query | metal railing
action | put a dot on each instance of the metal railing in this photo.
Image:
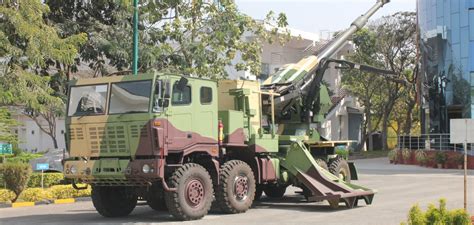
(440, 142)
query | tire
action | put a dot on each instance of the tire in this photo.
(340, 168)
(275, 191)
(156, 199)
(114, 201)
(321, 163)
(193, 197)
(236, 190)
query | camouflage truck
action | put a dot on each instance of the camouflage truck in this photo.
(182, 143)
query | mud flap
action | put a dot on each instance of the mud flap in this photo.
(322, 184)
(353, 170)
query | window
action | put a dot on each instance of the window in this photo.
(181, 97)
(87, 100)
(130, 97)
(206, 95)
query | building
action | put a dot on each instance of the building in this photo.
(446, 43)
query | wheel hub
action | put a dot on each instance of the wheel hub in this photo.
(194, 193)
(241, 187)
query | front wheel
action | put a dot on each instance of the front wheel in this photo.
(193, 197)
(156, 199)
(114, 201)
(236, 189)
(275, 191)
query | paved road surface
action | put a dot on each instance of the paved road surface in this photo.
(398, 188)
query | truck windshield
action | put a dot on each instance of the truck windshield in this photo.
(130, 97)
(87, 100)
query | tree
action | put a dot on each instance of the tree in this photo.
(387, 43)
(190, 37)
(6, 125)
(35, 57)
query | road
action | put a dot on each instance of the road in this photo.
(399, 187)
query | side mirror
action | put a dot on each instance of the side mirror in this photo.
(167, 94)
(158, 88)
(182, 83)
(164, 103)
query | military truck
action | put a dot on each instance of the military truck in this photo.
(182, 143)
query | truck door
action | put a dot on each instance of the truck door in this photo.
(180, 117)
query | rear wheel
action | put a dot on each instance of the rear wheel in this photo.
(321, 163)
(193, 197)
(114, 201)
(340, 168)
(275, 191)
(236, 190)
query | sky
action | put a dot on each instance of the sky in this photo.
(321, 16)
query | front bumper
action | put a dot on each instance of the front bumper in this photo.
(113, 171)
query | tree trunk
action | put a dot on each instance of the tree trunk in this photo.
(55, 141)
(408, 119)
(385, 122)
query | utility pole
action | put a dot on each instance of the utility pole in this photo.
(135, 38)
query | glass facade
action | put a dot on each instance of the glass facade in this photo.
(447, 59)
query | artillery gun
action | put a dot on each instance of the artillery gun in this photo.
(179, 142)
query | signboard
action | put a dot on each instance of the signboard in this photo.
(5, 149)
(461, 131)
(42, 166)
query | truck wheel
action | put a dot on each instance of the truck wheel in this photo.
(193, 197)
(114, 201)
(236, 189)
(275, 191)
(321, 163)
(340, 168)
(156, 199)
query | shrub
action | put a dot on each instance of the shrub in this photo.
(406, 154)
(420, 156)
(49, 179)
(342, 152)
(35, 194)
(458, 159)
(393, 155)
(67, 191)
(6, 195)
(23, 157)
(440, 157)
(440, 215)
(16, 176)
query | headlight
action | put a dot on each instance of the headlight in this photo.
(73, 170)
(146, 168)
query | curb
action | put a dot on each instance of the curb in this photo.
(46, 202)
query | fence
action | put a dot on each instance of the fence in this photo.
(438, 142)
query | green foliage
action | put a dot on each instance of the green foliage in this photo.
(192, 37)
(438, 215)
(49, 179)
(406, 154)
(440, 157)
(458, 159)
(16, 176)
(67, 191)
(393, 155)
(420, 156)
(342, 152)
(6, 125)
(6, 195)
(23, 157)
(35, 195)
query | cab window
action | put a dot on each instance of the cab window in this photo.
(206, 95)
(181, 97)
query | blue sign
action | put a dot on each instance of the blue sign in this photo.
(5, 149)
(42, 166)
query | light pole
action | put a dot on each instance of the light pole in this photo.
(135, 38)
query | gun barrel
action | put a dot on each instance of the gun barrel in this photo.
(360, 22)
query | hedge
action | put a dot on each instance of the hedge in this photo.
(437, 215)
(67, 191)
(49, 179)
(35, 195)
(6, 195)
